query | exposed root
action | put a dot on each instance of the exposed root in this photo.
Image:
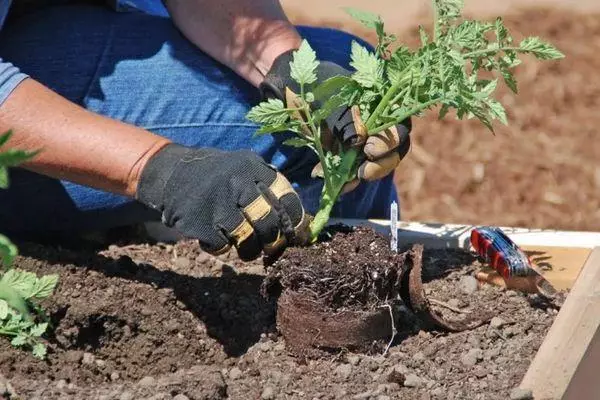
(356, 271)
(394, 330)
(448, 306)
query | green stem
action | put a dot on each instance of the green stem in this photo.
(319, 147)
(436, 19)
(390, 95)
(321, 217)
(412, 111)
(8, 333)
(330, 195)
(324, 164)
(383, 104)
(477, 53)
(401, 94)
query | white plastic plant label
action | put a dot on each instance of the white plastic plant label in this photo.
(394, 226)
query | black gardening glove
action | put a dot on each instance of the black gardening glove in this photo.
(382, 151)
(224, 199)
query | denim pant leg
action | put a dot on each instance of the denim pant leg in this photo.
(139, 69)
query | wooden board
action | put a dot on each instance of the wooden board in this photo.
(585, 384)
(569, 337)
(560, 265)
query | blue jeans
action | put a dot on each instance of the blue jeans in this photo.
(139, 69)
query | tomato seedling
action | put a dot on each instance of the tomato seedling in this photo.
(390, 85)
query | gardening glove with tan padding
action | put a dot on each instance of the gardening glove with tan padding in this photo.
(224, 199)
(382, 152)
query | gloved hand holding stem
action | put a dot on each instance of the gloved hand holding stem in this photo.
(386, 89)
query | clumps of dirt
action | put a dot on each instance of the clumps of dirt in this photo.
(456, 295)
(117, 320)
(114, 305)
(354, 271)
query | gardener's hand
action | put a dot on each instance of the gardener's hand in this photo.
(224, 199)
(382, 152)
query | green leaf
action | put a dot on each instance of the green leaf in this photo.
(45, 286)
(368, 67)
(11, 158)
(267, 129)
(482, 117)
(38, 329)
(369, 96)
(5, 136)
(328, 107)
(423, 35)
(540, 49)
(366, 18)
(39, 351)
(509, 79)
(270, 112)
(8, 251)
(334, 160)
(19, 340)
(3, 309)
(329, 87)
(501, 31)
(373, 21)
(443, 111)
(304, 65)
(489, 88)
(296, 142)
(449, 9)
(14, 157)
(3, 178)
(21, 281)
(497, 111)
(398, 63)
(14, 299)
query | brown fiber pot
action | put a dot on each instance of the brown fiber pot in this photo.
(308, 330)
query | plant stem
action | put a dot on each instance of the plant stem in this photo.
(321, 217)
(400, 94)
(383, 104)
(324, 164)
(436, 19)
(330, 195)
(485, 51)
(319, 147)
(412, 111)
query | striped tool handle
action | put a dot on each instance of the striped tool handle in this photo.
(504, 256)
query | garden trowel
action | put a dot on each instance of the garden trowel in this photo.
(512, 267)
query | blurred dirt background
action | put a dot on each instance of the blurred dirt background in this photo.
(542, 170)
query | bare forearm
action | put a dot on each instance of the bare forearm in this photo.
(245, 35)
(76, 144)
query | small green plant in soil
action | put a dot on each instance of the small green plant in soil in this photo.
(456, 68)
(21, 318)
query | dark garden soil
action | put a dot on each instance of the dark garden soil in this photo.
(160, 321)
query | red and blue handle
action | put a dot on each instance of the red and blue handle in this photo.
(500, 252)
